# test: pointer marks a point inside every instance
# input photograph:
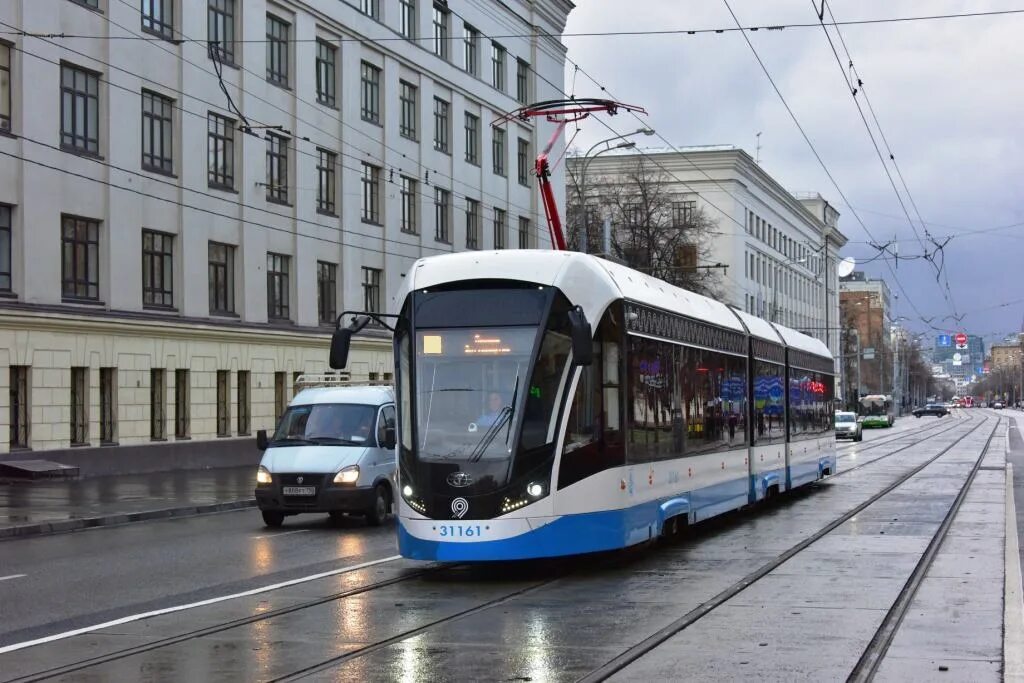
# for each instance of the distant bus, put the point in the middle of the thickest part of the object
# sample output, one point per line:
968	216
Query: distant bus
877	411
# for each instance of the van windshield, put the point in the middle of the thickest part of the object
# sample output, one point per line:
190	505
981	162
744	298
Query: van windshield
344	424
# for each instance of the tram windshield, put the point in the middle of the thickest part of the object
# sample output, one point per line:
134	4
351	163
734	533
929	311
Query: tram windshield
470	384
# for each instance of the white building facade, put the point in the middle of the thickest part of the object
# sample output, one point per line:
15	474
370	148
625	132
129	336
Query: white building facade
780	251
191	193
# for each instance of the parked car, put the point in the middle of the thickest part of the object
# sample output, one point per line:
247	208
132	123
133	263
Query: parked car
997	405
332	452
848	426
936	409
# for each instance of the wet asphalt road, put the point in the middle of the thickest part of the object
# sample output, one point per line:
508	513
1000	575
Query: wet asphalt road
84	578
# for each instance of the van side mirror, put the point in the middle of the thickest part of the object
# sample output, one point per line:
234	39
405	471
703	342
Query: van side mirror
582	337
389	438
342	339
261	439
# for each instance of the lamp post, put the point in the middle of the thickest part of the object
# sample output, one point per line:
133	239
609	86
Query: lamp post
582	184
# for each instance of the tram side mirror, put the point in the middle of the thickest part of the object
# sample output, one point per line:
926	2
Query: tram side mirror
342	339
261	439
582	337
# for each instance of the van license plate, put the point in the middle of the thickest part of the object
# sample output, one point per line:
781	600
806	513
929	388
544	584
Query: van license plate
300	490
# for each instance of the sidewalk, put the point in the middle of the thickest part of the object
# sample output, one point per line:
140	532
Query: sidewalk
32	508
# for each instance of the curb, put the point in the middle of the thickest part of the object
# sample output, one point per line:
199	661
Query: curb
1013	604
45	528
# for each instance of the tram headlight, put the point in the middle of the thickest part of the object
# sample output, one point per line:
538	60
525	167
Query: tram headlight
407	491
535	490
263	477
348	475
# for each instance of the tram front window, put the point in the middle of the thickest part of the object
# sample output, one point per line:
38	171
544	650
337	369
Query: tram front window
470	386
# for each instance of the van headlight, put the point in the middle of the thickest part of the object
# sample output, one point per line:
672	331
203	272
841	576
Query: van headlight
348	475
263	477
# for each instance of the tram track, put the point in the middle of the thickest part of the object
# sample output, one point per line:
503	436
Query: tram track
656	639
599	674
860	447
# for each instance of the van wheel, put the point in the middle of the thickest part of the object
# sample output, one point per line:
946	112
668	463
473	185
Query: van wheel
273	519
378	512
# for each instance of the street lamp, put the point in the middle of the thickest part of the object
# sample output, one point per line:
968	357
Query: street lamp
582	184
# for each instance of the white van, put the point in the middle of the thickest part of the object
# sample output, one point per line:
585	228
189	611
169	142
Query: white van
333	451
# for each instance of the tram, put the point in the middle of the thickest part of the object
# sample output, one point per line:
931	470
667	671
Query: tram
554	403
877	411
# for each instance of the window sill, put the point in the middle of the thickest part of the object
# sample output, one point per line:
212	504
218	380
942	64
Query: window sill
500	174
7	133
224	314
83	302
97	10
182	438
78	151
371	122
162	36
369	222
473	163
279	202
159	309
283	322
109	443
277	84
7	294
224	62
324	212
329	105
442	151
222	188
441	241
410	138
155	439
159	171
410	232
84	444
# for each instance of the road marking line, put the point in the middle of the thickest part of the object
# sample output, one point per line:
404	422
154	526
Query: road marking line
1013	602
12	576
192	605
283	533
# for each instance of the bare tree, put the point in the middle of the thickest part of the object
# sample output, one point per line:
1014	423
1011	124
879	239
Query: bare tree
655	229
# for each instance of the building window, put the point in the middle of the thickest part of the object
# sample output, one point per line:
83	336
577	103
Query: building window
80	266
472	139
6	245
371	194
157	404
371	290
523	161
79	406
220	151
498	150
409	192
19	404
442	205
682	213
158	17
472	224
500	228
369	106
498	66
223	412
326	194
80	109
108	405
277	51
157	132
327	292
277	168
407	110
524	232
370	8
5	86
407	18
326	55
220	20
277	286
522	81
440	125
440	30
222	278
280	394
471	44
244	421
157	269
181	404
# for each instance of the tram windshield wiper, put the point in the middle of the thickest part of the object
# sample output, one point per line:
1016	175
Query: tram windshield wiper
488	437
512	410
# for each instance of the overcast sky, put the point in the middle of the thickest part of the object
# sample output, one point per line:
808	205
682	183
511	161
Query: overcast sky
948	93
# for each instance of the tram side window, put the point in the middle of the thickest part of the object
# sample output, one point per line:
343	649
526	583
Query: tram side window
684	401
593	435
810	403
769	403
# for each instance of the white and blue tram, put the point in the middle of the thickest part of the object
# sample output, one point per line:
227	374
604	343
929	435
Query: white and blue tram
553	403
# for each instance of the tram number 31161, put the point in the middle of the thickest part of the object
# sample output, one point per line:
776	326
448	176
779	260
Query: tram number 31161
459	530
